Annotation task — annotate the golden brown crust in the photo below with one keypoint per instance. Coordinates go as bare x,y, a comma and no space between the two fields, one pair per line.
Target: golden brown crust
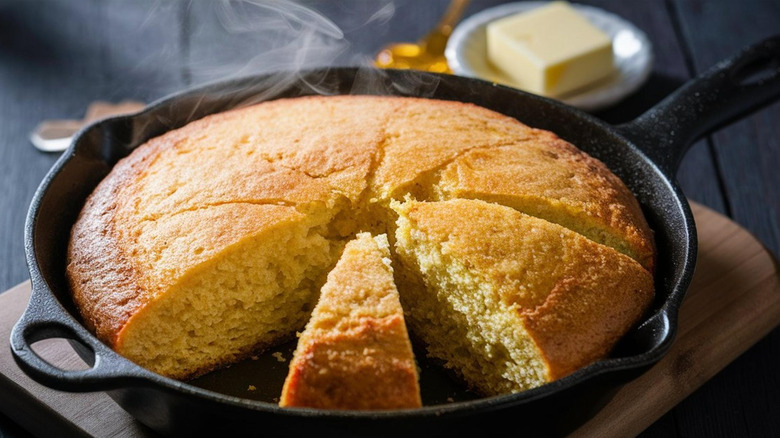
190,246
549,178
576,297
424,135
358,369
355,352
181,199
124,228
103,281
570,335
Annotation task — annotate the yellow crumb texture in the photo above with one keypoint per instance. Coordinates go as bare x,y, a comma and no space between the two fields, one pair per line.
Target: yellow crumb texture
355,352
499,288
517,258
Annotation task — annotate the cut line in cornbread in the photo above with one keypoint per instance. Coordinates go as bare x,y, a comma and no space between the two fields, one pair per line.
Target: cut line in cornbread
509,301
211,243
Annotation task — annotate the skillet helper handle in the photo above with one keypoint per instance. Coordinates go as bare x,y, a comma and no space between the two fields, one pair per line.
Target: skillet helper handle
730,90
108,369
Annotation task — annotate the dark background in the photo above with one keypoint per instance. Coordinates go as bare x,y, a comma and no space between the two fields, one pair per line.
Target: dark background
58,56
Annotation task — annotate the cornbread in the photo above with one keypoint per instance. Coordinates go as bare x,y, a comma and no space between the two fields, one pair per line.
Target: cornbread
355,352
501,286
212,242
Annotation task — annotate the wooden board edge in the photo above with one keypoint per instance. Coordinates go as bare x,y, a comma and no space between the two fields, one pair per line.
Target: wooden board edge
621,416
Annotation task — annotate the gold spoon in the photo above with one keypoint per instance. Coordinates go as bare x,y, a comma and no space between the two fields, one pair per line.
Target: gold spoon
428,53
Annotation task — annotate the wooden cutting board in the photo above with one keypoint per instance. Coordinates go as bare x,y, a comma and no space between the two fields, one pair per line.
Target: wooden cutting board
733,302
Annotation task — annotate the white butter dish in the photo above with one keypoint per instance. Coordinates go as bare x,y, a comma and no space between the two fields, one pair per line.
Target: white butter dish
467,54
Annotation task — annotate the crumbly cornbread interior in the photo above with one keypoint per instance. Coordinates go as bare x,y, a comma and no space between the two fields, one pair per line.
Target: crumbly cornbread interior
355,352
212,242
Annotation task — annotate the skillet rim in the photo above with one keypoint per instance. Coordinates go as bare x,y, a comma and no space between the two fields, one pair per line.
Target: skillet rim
669,309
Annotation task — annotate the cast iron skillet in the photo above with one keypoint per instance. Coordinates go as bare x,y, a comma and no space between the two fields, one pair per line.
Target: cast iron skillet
645,153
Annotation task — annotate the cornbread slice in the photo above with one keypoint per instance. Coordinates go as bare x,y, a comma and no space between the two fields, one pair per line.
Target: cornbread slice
355,352
510,301
549,178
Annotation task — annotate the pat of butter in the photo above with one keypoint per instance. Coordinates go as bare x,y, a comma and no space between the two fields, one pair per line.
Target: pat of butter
551,50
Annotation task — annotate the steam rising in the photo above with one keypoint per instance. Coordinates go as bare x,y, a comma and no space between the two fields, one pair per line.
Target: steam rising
289,45
290,36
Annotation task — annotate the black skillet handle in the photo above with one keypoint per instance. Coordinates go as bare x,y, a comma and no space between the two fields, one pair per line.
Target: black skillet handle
39,321
730,90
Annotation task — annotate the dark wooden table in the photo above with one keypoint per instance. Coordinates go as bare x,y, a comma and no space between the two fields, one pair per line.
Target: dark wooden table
58,56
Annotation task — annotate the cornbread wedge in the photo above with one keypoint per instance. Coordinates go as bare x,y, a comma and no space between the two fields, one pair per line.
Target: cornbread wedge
510,301
355,352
